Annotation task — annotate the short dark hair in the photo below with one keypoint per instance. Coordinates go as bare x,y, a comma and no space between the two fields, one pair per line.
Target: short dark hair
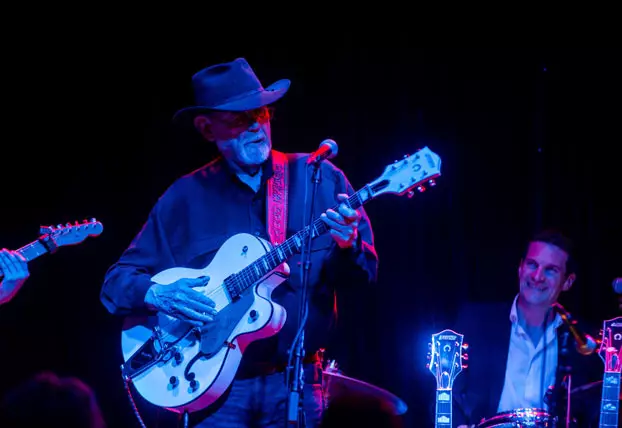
561,241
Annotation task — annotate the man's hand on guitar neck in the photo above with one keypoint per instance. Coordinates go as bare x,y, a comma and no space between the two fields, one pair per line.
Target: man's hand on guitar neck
181,301
14,272
343,223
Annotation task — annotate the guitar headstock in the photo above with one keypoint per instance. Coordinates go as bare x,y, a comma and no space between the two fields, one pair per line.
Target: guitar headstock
611,345
446,357
71,234
413,171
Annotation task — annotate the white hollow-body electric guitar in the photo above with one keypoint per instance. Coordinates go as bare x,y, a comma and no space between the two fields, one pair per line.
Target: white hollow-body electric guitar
183,368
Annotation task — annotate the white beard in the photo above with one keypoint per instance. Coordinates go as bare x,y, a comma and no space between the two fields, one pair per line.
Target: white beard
255,154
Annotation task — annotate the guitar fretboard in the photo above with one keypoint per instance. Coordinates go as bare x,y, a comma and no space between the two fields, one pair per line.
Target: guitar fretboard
30,252
610,400
443,408
239,282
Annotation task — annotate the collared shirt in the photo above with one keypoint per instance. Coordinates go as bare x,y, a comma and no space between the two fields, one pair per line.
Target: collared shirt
523,376
200,211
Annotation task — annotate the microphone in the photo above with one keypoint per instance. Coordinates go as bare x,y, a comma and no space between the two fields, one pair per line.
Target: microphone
586,344
617,285
327,150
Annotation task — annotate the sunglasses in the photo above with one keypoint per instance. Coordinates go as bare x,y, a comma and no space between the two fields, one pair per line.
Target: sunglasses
246,118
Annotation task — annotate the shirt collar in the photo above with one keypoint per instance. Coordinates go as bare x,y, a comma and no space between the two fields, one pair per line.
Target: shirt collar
267,169
514,314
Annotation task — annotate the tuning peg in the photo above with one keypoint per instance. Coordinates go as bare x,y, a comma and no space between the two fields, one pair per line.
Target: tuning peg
429,345
432,182
465,357
465,346
45,229
410,194
427,366
465,366
59,226
421,189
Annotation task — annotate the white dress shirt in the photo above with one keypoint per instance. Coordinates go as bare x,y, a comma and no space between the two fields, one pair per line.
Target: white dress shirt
523,373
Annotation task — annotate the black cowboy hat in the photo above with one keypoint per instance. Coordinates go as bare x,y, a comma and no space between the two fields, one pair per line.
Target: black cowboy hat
231,86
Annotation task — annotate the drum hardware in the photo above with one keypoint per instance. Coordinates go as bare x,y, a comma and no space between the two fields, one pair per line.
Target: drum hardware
519,418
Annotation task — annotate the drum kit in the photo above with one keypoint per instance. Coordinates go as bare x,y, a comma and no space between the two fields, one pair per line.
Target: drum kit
337,385
539,418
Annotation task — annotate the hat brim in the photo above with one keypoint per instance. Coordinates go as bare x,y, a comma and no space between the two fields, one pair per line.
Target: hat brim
250,101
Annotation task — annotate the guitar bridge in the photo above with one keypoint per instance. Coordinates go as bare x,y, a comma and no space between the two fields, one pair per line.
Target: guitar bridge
145,357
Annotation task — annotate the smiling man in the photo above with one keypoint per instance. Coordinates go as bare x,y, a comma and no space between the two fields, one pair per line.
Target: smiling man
517,348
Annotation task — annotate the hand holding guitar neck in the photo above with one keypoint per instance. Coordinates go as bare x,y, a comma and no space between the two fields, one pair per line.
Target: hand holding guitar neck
13,264
13,273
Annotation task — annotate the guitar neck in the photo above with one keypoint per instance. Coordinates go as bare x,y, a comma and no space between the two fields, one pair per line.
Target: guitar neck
239,282
610,399
443,408
30,252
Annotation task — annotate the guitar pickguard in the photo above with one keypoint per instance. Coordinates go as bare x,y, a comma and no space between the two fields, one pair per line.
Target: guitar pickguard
215,335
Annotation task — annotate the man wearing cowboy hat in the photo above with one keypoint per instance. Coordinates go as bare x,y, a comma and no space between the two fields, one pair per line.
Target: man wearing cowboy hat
228,196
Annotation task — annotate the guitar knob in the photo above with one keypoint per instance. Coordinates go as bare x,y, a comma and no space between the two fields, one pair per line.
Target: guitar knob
194,384
173,380
178,357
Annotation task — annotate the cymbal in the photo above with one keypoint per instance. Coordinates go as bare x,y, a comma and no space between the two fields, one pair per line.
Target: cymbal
337,385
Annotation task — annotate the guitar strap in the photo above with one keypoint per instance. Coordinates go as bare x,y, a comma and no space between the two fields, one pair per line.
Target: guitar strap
278,186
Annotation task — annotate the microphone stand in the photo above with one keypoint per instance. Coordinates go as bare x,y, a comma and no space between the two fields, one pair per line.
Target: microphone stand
295,410
558,397
561,403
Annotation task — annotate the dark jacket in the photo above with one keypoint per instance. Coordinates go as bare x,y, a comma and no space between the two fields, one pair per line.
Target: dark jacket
477,389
